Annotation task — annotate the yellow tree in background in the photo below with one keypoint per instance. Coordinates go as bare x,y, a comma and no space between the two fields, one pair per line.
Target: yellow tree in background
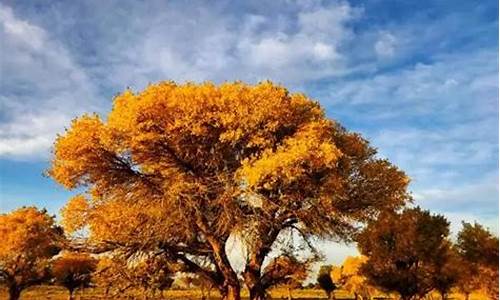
348,277
287,271
73,271
178,169
30,238
117,274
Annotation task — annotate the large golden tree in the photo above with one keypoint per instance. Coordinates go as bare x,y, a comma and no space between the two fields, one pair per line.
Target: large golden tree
181,168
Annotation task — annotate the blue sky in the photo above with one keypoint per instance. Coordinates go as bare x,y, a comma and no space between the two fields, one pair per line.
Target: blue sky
419,79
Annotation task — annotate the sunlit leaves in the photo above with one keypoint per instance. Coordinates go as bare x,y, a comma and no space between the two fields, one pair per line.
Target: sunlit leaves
73,270
74,214
30,238
185,166
349,277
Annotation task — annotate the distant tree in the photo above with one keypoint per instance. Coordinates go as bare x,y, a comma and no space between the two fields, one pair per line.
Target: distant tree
477,245
469,279
446,271
478,251
184,167
403,250
30,238
349,277
189,281
145,271
287,271
73,271
325,281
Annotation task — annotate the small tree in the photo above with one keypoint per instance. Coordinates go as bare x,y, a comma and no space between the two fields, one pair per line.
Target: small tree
145,271
195,280
469,279
30,239
287,271
325,281
446,271
349,277
403,250
478,251
73,271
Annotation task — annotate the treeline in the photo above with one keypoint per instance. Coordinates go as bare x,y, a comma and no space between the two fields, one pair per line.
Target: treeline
411,253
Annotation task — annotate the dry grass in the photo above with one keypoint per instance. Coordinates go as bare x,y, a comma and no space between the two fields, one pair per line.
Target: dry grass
57,293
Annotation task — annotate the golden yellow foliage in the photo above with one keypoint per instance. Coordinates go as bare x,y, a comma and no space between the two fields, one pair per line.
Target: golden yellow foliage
73,270
74,214
29,239
183,167
144,271
349,277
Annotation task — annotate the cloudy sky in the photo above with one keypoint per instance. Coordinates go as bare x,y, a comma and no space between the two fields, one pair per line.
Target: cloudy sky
419,79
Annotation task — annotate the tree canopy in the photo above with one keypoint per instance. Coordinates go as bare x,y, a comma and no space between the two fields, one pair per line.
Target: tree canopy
404,250
73,271
30,238
181,168
478,252
349,277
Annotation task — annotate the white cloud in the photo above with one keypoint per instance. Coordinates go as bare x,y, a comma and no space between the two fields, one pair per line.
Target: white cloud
479,196
41,88
450,81
207,44
386,45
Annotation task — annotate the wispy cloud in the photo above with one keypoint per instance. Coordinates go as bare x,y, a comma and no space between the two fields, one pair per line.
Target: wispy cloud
41,88
385,46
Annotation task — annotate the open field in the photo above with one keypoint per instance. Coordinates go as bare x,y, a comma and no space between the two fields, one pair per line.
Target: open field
57,293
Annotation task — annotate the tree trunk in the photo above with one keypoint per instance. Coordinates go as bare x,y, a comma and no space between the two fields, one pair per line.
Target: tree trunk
289,293
257,293
232,292
14,292
467,296
71,294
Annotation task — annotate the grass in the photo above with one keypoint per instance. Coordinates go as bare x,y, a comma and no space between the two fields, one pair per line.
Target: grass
57,293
